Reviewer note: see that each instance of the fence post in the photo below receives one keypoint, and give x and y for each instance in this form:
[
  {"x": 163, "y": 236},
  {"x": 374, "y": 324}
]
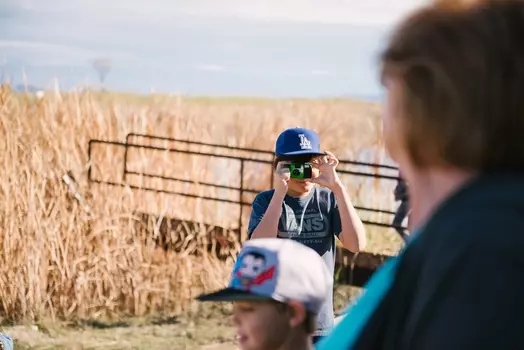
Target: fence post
[
  {"x": 272, "y": 172},
  {"x": 89, "y": 161},
  {"x": 241, "y": 197},
  {"x": 124, "y": 173}
]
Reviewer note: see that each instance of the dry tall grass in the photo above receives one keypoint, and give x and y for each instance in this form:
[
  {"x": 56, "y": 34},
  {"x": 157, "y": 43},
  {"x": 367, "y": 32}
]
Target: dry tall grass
[{"x": 56, "y": 260}]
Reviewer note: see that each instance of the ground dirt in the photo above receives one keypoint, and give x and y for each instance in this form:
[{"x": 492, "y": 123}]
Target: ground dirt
[{"x": 206, "y": 328}]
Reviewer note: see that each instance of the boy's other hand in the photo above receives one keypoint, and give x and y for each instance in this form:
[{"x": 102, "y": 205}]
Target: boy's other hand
[
  {"x": 282, "y": 176},
  {"x": 328, "y": 175}
]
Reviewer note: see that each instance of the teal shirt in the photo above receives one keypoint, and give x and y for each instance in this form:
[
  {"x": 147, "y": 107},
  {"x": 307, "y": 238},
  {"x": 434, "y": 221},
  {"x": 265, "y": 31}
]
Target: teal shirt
[{"x": 347, "y": 332}]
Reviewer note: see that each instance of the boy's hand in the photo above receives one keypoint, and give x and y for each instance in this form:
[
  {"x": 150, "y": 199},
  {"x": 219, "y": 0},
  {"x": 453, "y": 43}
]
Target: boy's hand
[
  {"x": 282, "y": 176},
  {"x": 328, "y": 174}
]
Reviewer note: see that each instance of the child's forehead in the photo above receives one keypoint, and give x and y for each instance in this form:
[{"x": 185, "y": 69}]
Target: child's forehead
[
  {"x": 259, "y": 303},
  {"x": 243, "y": 304},
  {"x": 249, "y": 302},
  {"x": 302, "y": 159}
]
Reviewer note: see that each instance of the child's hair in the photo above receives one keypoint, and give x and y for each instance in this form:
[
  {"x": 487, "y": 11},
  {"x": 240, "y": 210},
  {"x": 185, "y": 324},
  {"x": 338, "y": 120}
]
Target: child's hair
[
  {"x": 301, "y": 158},
  {"x": 310, "y": 322}
]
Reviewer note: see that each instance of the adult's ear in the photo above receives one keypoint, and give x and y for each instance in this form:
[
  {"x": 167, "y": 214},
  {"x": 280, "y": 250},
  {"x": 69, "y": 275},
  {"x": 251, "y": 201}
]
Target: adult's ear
[{"x": 298, "y": 313}]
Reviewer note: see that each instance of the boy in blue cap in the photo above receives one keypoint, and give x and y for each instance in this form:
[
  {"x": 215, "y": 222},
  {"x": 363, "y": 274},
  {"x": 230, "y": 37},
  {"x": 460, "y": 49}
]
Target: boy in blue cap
[{"x": 297, "y": 209}]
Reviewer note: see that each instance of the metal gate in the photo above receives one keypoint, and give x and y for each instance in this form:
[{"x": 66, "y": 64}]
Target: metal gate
[
  {"x": 137, "y": 141},
  {"x": 233, "y": 193}
]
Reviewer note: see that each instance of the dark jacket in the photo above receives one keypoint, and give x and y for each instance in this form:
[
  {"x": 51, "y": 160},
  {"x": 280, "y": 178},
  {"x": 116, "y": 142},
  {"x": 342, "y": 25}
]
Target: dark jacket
[{"x": 460, "y": 284}]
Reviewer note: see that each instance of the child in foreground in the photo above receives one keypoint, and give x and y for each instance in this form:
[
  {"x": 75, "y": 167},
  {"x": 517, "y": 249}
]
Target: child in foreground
[{"x": 278, "y": 287}]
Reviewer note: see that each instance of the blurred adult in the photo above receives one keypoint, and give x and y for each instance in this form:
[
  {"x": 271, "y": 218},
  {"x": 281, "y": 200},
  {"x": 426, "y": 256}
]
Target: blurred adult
[{"x": 454, "y": 122}]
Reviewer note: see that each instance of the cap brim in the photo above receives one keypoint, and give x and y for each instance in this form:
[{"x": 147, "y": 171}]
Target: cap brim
[
  {"x": 297, "y": 153},
  {"x": 231, "y": 294}
]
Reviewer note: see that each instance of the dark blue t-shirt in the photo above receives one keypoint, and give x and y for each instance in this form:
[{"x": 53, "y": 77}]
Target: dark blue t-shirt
[{"x": 313, "y": 220}]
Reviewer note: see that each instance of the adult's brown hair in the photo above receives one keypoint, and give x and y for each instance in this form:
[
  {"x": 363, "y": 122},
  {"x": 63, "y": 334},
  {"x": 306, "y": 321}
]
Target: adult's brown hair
[{"x": 461, "y": 69}]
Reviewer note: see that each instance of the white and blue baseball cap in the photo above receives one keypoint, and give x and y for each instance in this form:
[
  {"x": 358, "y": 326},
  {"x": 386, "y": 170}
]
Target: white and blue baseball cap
[
  {"x": 277, "y": 269},
  {"x": 298, "y": 141}
]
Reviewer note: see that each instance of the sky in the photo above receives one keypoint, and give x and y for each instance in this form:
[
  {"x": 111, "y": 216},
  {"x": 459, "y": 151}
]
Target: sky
[{"x": 275, "y": 48}]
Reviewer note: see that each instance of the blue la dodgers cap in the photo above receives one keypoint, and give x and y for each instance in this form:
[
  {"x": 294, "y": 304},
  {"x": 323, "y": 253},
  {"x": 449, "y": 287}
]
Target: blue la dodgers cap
[{"x": 298, "y": 141}]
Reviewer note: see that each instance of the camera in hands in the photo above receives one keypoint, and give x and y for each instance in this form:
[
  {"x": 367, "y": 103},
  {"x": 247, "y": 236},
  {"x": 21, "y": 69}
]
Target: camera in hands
[{"x": 300, "y": 170}]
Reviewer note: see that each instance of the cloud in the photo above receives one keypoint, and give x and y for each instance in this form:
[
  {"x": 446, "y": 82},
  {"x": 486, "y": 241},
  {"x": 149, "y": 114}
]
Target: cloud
[
  {"x": 24, "y": 44},
  {"x": 319, "y": 72},
  {"x": 363, "y": 12},
  {"x": 44, "y": 53},
  {"x": 210, "y": 68},
  {"x": 324, "y": 42},
  {"x": 360, "y": 12}
]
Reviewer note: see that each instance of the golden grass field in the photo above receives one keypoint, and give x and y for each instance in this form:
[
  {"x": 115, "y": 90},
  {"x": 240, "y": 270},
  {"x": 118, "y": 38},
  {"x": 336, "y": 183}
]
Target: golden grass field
[{"x": 60, "y": 262}]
